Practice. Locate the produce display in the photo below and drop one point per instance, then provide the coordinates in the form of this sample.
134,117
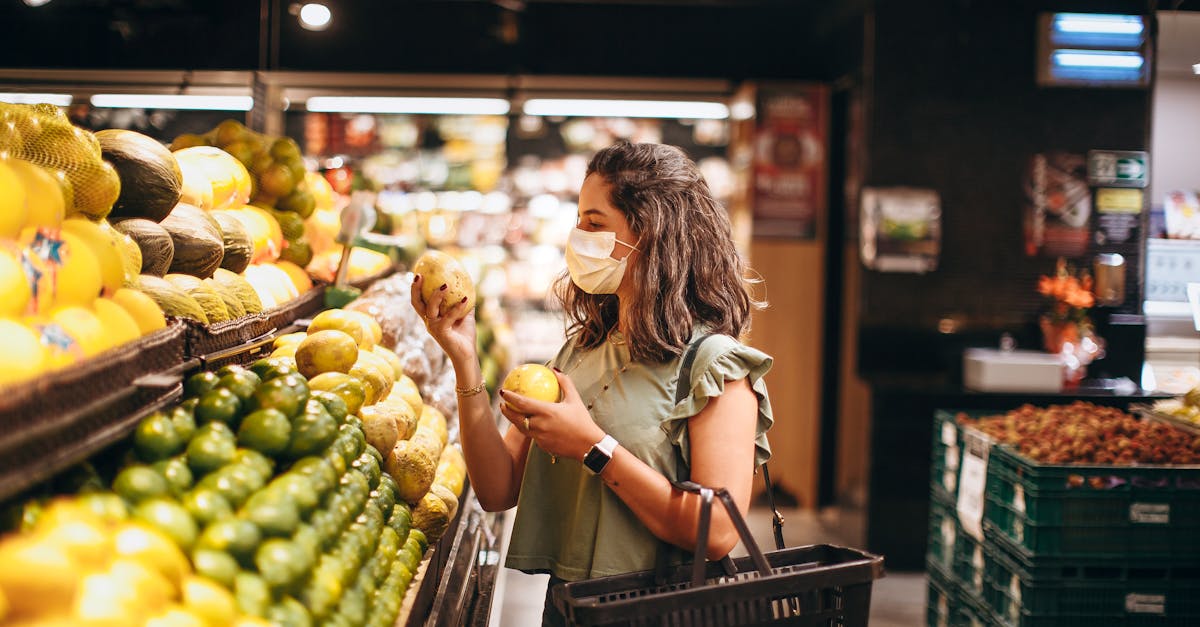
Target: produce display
1084,433
301,489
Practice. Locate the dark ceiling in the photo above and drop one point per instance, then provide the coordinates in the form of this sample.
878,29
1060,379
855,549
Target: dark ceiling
689,38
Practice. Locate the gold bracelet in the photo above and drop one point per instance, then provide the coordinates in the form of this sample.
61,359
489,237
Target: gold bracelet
470,391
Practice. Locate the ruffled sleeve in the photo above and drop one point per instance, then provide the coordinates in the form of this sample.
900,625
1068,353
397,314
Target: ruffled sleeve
719,359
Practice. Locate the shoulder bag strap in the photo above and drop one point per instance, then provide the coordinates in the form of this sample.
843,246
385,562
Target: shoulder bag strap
682,386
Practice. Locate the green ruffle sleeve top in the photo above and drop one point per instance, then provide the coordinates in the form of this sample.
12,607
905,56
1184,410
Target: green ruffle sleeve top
568,523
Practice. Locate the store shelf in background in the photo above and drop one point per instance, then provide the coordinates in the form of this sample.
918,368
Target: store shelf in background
63,417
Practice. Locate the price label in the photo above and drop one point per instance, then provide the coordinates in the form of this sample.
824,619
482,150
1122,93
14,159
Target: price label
972,481
1146,603
1150,513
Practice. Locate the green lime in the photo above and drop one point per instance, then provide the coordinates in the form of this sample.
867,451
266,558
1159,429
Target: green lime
348,445
274,513
199,383
324,522
216,565
278,394
272,367
156,438
206,506
366,577
280,562
353,606
184,421
218,405
306,537
389,543
350,389
190,404
388,484
333,404
213,446
289,612
335,459
369,467
401,521
108,506
242,384
170,518
312,431
139,483
230,369
252,594
177,474
234,483
374,452
299,490
404,572
239,538
267,431
321,476
355,486
384,500
256,461
354,422
420,538
323,589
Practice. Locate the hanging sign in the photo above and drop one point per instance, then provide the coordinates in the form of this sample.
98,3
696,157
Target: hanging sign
1118,168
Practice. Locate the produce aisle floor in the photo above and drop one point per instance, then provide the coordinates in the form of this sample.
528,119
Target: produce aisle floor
897,600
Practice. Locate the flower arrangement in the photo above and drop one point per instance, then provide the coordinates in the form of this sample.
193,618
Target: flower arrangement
1066,325
1069,295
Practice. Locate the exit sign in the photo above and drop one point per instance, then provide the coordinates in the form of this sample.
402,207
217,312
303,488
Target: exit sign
1118,168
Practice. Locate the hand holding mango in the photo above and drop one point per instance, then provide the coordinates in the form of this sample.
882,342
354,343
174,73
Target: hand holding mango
436,269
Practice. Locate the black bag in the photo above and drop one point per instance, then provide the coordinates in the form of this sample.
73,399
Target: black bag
810,585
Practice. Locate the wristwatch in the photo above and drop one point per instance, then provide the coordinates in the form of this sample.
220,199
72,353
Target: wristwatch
600,454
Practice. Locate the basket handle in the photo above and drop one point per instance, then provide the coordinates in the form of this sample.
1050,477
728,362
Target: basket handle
739,523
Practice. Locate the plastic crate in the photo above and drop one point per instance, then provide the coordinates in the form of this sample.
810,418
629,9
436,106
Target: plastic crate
943,534
945,455
1142,512
941,601
1088,592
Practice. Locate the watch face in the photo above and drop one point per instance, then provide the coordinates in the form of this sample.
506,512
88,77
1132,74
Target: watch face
596,460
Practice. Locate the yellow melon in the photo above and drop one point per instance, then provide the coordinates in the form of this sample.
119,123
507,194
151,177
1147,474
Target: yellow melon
13,204
60,268
83,325
145,312
212,178
297,275
21,354
14,288
119,325
44,194
102,240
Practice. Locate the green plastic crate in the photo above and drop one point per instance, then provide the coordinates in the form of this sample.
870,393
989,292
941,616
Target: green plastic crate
1094,511
945,455
943,534
1088,592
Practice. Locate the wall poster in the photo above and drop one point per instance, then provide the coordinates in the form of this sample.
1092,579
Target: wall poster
1058,204
791,160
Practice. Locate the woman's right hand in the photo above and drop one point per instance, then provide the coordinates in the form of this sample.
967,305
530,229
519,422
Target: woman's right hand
454,330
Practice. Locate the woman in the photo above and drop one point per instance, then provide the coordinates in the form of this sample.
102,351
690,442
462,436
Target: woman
651,266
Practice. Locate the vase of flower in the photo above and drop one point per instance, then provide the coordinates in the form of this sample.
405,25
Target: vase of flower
1066,324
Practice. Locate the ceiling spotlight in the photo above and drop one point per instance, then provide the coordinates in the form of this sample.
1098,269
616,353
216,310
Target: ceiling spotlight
1196,68
37,3
312,16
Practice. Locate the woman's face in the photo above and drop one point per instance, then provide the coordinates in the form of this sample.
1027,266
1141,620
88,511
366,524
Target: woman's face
596,213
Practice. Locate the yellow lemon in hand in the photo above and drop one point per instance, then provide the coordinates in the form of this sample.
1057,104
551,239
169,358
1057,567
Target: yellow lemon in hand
535,381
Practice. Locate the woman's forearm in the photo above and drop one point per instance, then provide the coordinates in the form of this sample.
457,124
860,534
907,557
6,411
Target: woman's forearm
495,463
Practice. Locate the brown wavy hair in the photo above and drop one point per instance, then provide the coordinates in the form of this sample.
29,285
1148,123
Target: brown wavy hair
687,271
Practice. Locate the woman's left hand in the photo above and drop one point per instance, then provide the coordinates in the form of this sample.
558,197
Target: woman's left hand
562,429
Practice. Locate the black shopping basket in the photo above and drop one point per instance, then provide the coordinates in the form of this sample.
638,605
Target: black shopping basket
809,585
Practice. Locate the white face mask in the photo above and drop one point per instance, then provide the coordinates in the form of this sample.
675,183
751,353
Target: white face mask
590,262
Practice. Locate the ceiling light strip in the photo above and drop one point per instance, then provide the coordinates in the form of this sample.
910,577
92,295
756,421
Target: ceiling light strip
687,110
59,100
409,105
173,101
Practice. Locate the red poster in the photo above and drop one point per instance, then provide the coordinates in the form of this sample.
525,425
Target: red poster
790,160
